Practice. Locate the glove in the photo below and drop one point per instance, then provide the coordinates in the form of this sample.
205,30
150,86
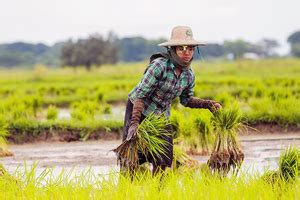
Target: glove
132,131
201,103
138,107
215,106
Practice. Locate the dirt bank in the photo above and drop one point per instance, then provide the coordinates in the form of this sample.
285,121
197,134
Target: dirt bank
68,135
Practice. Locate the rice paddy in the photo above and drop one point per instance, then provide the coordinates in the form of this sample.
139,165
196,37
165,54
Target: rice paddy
266,92
182,183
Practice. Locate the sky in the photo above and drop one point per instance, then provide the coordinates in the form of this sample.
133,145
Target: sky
50,21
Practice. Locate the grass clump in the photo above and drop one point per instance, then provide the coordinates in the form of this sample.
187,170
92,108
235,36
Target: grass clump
289,167
205,134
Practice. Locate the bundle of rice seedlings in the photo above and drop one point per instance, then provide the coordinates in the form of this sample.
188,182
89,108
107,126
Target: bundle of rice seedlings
181,158
289,167
289,163
227,153
148,141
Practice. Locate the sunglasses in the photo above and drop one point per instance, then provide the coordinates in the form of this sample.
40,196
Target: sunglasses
185,48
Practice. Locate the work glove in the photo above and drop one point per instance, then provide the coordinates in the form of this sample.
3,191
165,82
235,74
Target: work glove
132,131
138,107
202,103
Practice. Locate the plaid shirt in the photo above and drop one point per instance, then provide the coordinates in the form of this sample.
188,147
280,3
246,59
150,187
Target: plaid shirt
160,85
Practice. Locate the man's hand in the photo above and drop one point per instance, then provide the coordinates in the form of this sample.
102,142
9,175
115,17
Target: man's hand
215,106
132,131
195,102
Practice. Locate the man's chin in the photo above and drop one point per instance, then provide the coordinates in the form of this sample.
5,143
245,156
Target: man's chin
186,60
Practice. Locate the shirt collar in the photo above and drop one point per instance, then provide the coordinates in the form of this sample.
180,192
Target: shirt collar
183,70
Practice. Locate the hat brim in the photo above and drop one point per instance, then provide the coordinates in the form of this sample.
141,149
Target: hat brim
171,43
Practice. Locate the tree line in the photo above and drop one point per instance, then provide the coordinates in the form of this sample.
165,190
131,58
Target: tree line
98,50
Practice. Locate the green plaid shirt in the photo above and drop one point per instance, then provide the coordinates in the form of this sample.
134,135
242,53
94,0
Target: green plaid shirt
160,85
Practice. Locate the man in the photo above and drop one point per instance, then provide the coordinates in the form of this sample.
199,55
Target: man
168,76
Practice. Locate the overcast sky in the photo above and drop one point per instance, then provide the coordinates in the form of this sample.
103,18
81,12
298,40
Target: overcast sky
49,21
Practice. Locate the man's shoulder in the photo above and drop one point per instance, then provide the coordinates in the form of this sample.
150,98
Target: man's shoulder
160,61
159,64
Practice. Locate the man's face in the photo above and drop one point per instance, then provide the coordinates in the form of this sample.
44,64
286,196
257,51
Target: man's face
185,53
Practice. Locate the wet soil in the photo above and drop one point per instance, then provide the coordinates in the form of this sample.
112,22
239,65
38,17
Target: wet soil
261,151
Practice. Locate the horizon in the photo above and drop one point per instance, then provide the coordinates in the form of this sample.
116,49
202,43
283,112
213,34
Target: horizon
49,22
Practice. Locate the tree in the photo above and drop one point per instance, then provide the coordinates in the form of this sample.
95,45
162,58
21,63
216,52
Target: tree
138,48
237,48
211,50
87,52
268,46
296,49
20,53
68,53
294,40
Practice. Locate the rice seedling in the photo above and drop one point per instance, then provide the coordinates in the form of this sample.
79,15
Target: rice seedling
87,108
227,153
63,87
175,122
289,163
107,109
192,184
78,115
205,134
288,167
181,158
148,141
52,113
272,177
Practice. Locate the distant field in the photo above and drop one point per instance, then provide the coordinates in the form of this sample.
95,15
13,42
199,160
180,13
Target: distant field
267,91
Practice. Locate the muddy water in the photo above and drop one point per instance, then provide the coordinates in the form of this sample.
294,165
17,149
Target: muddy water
117,113
261,152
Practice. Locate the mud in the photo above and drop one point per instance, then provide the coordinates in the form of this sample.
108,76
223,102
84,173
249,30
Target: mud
261,151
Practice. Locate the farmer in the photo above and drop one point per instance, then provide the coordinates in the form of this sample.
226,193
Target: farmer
168,76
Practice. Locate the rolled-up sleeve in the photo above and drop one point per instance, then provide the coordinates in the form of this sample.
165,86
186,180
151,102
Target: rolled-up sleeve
188,92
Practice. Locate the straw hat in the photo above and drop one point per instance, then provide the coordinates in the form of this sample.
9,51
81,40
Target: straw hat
181,35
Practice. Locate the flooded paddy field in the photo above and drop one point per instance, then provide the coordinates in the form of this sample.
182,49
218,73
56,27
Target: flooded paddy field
261,152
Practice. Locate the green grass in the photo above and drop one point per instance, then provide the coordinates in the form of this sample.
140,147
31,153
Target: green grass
267,91
23,130
181,184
